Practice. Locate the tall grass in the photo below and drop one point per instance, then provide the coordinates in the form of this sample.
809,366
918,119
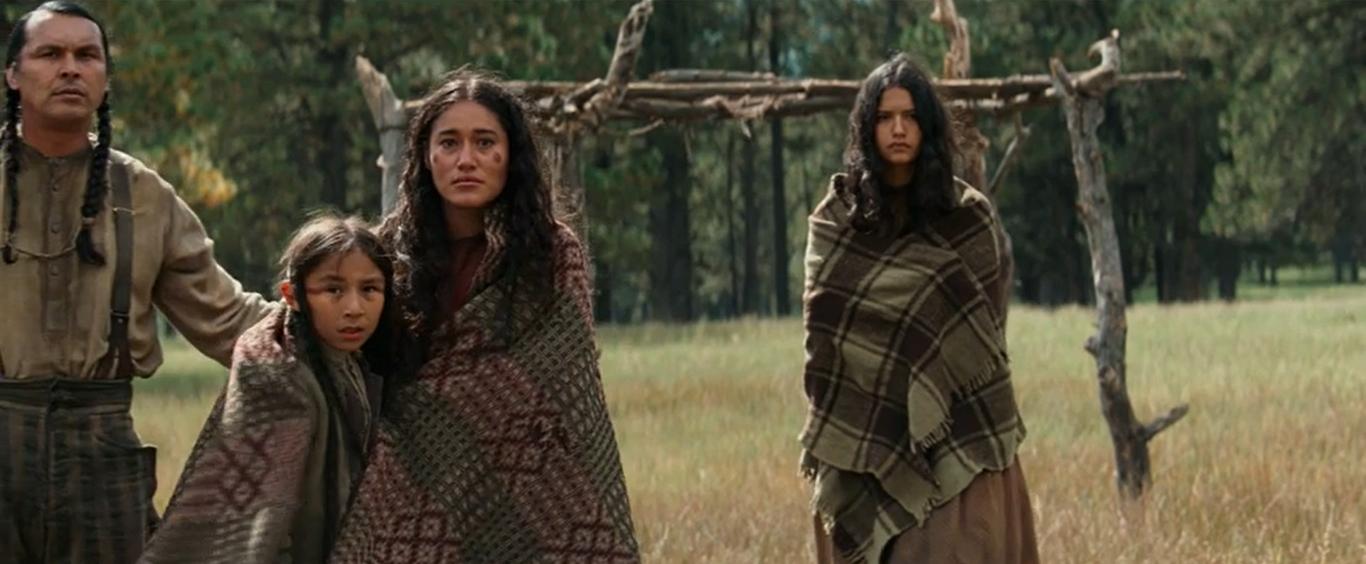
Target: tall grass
1268,467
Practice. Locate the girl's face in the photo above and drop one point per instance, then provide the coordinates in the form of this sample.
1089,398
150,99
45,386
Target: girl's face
898,132
345,296
467,152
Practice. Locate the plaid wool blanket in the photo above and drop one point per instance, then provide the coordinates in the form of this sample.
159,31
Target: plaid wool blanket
906,368
499,451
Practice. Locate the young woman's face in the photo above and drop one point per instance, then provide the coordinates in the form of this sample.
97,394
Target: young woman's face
898,133
467,152
345,296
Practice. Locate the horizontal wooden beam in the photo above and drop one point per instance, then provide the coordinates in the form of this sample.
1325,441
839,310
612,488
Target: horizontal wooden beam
988,94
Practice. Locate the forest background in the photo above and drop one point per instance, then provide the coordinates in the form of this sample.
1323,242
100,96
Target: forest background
1252,165
1244,182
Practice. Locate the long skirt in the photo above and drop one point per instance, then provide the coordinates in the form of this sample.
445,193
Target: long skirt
990,522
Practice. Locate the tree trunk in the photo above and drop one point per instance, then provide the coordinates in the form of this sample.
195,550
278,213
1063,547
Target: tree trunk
1228,265
670,230
1228,286
1189,287
781,293
1084,110
331,141
1188,279
749,301
731,250
1342,255
891,32
1161,272
602,298
603,274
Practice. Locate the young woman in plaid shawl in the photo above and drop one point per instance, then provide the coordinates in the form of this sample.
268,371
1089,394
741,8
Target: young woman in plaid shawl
496,446
911,435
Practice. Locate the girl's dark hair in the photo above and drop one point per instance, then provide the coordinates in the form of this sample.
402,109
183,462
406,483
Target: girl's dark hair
932,188
521,215
97,182
323,237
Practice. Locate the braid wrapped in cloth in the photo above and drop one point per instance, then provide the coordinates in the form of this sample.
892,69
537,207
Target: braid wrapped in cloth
906,369
501,449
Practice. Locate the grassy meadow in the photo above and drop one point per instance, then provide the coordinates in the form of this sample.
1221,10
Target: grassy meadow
1269,466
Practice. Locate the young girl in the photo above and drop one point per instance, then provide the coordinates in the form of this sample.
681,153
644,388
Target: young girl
273,468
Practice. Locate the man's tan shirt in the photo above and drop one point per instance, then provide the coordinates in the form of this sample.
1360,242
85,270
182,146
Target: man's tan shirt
54,312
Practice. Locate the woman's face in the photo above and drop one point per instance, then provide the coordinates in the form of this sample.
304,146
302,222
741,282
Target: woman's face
898,133
467,152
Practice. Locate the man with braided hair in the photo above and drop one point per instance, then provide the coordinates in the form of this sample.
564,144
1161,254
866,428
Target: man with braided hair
92,240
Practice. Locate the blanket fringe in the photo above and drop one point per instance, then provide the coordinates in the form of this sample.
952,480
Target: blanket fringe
941,430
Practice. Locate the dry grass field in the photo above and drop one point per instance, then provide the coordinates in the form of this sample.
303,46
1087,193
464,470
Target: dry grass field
1270,465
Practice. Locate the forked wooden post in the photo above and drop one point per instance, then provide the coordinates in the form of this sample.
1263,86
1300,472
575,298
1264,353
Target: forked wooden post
584,111
391,120
958,65
1083,106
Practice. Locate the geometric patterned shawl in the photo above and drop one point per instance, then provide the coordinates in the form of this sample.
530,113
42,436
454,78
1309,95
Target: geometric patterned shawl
499,452
906,369
254,488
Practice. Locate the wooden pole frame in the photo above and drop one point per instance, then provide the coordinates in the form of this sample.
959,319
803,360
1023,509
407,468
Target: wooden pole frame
1084,110
569,110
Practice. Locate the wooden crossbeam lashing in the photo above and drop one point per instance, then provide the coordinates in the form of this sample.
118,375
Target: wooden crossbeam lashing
722,99
569,110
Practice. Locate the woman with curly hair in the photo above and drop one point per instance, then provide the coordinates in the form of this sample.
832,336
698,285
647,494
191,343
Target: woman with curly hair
494,442
912,428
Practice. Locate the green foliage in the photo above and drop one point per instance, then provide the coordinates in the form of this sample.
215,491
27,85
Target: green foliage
1293,127
252,110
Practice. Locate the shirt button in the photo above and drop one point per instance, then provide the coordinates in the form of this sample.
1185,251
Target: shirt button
53,270
55,227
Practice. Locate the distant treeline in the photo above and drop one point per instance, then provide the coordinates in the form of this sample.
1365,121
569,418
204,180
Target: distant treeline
1254,163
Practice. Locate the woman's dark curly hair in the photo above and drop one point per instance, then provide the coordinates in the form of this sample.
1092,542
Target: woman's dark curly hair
416,229
932,187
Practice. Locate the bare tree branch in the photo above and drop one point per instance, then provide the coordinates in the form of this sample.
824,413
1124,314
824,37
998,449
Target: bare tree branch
1021,134
1161,423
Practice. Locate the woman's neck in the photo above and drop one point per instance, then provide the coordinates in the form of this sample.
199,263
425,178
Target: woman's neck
897,177
463,223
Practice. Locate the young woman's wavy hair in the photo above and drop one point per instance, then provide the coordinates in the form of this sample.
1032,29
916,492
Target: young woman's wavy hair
932,188
416,228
